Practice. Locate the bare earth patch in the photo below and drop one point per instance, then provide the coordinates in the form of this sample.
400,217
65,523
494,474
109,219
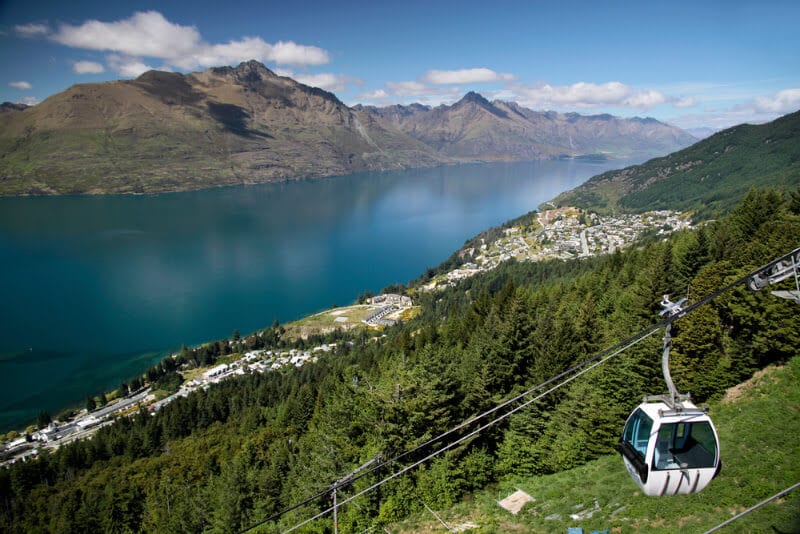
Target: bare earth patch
736,392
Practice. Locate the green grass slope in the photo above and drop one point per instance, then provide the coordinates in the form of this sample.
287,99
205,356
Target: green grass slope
707,177
758,424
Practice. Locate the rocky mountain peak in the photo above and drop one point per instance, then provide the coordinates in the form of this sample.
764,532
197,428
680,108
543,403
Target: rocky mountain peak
473,98
252,71
246,72
477,99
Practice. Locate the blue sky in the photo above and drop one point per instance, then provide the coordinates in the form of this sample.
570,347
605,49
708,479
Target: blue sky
693,64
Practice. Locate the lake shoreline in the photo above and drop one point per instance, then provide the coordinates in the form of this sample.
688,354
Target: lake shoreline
99,277
586,158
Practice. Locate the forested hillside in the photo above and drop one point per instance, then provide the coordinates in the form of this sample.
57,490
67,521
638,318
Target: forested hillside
708,177
757,456
235,454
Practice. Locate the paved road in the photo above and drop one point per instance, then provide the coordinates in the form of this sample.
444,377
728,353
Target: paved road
584,243
99,415
121,405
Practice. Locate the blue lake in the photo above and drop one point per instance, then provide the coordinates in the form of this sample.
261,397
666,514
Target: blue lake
96,288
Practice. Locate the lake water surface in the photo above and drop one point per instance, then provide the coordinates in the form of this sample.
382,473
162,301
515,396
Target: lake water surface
96,288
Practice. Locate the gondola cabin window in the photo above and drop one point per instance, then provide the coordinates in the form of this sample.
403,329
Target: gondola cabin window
637,432
685,445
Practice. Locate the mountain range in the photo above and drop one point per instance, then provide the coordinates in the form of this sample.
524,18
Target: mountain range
166,131
474,128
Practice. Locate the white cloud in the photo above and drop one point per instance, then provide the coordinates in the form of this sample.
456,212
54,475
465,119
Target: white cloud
290,53
374,95
578,95
717,93
408,88
785,101
414,88
716,119
145,33
587,95
756,110
30,100
221,54
128,67
31,30
644,99
479,75
149,35
685,102
282,53
87,67
325,80
414,91
20,85
134,69
428,88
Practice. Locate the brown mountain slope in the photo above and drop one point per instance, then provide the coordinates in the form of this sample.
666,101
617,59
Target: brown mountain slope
474,128
169,132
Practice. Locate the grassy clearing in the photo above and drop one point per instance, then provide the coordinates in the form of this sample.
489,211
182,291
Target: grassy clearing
758,425
344,318
191,374
347,315
410,313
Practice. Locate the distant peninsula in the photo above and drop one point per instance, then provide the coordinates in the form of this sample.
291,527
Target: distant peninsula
167,131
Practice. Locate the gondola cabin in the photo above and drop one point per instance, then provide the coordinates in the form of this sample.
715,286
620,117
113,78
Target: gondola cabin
670,451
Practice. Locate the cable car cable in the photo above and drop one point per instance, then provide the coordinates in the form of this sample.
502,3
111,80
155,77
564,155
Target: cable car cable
473,433
612,351
636,338
615,349
754,508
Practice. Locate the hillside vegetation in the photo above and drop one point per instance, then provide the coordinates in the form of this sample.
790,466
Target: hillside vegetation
758,462
230,456
707,177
